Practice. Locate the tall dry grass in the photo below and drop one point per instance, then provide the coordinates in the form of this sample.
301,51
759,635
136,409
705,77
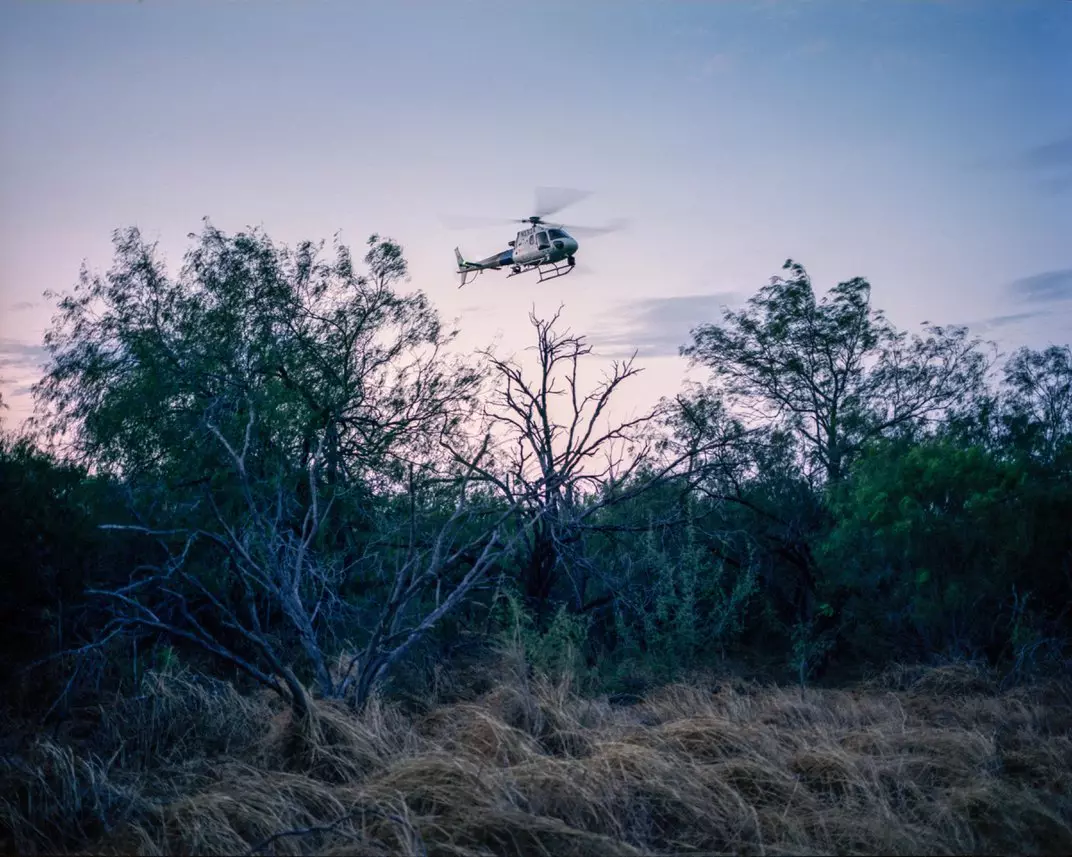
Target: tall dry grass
916,761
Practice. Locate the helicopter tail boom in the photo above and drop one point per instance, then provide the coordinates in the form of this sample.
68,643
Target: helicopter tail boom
465,265
467,271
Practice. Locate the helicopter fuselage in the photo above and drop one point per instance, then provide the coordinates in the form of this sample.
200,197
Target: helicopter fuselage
536,246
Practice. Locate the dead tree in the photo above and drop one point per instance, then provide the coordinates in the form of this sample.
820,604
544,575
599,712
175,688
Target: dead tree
276,567
560,459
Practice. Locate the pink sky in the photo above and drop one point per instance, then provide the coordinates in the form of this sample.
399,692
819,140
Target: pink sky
926,146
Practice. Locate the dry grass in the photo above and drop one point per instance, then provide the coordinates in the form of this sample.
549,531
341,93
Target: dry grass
915,761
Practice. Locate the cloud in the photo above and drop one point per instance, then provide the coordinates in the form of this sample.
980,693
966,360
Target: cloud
1005,320
1041,288
21,306
657,327
1050,164
25,356
1047,165
1056,154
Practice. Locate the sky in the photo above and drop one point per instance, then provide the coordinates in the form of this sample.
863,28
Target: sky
923,144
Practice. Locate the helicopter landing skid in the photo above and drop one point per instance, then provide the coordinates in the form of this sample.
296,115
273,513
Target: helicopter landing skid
547,271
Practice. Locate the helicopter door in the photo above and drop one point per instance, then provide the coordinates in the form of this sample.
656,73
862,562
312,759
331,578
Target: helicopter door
543,242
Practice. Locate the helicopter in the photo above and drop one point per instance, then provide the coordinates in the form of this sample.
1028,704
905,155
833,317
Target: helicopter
549,249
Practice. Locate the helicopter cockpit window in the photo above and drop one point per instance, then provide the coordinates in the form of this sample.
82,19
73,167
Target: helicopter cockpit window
542,241
555,233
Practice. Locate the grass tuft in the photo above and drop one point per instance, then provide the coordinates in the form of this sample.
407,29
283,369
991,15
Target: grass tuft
941,761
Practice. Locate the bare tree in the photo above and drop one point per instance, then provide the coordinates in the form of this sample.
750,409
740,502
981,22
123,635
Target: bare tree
560,458
279,570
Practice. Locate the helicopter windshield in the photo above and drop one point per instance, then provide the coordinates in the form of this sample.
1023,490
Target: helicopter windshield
556,233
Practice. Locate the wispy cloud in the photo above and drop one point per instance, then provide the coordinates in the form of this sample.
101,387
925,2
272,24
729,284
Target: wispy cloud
18,355
999,321
1045,287
657,327
1056,154
21,306
1048,164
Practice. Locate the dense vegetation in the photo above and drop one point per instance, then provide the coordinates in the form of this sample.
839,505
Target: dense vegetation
266,493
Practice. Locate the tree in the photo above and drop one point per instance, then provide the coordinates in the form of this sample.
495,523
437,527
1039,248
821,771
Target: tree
834,373
138,358
264,410
560,459
270,553
761,510
1038,400
939,546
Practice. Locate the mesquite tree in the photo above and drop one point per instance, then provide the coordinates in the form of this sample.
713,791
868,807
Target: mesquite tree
139,357
834,372
264,407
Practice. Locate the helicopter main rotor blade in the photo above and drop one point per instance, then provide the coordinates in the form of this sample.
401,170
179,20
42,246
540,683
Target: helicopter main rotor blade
548,201
593,231
552,199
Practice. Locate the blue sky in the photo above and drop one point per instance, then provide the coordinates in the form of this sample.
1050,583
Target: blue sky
923,144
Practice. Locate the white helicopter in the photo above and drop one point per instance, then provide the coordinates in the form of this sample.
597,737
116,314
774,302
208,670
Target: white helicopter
547,248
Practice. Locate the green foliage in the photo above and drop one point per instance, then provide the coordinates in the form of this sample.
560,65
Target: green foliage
668,615
556,651
265,409
1038,406
810,646
930,538
679,604
143,362
50,514
834,372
